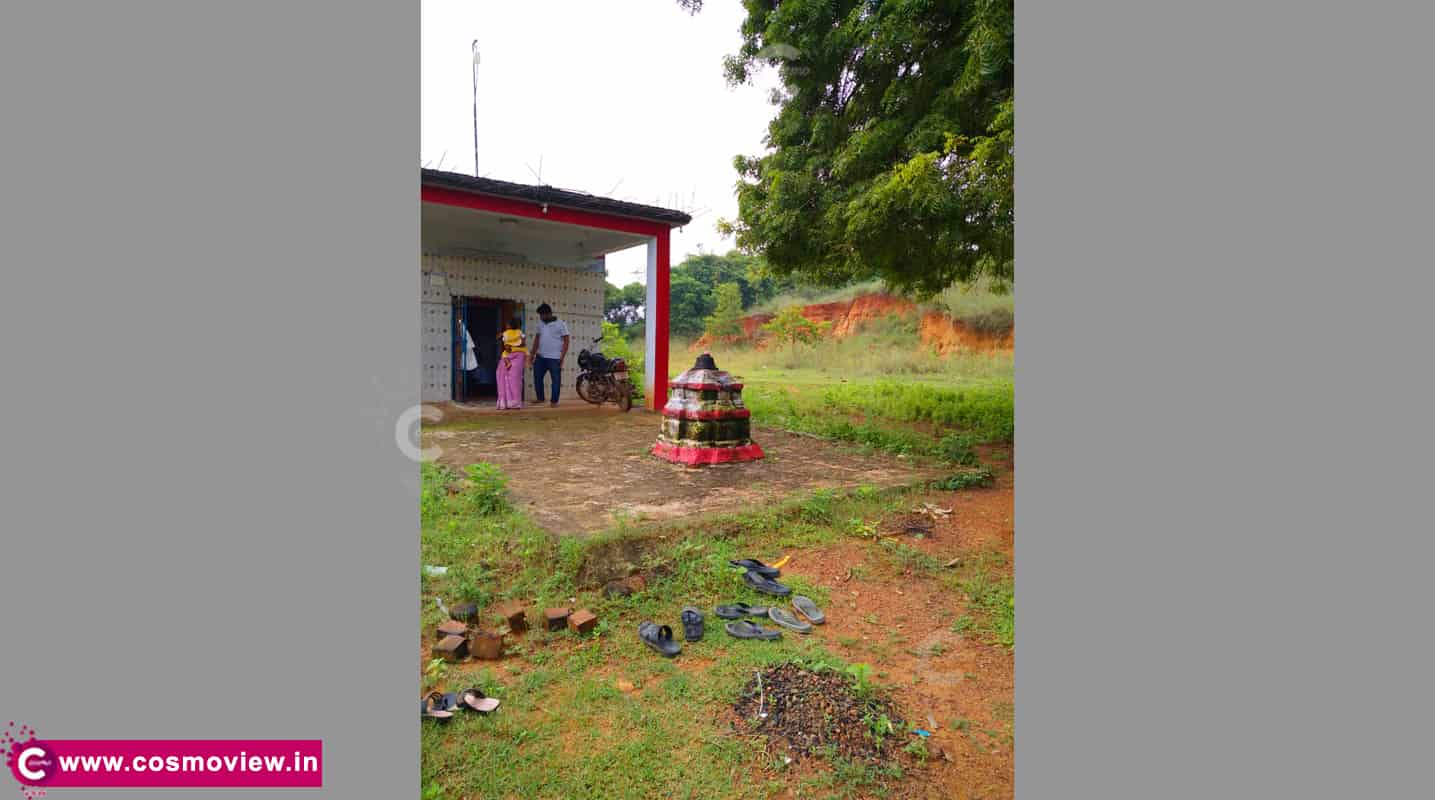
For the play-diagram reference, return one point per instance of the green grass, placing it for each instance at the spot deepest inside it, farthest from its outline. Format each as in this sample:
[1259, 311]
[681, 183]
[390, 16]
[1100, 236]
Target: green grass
[565, 729]
[967, 479]
[984, 410]
[561, 705]
[984, 306]
[491, 551]
[910, 559]
[992, 596]
[815, 295]
[896, 353]
[885, 414]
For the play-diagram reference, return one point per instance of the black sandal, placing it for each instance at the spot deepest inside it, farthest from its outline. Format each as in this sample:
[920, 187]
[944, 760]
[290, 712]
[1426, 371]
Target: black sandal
[437, 706]
[692, 624]
[660, 638]
[756, 566]
[475, 700]
[809, 609]
[740, 610]
[786, 619]
[765, 585]
[750, 630]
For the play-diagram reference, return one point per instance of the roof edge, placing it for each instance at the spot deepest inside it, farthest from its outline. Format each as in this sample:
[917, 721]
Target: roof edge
[551, 195]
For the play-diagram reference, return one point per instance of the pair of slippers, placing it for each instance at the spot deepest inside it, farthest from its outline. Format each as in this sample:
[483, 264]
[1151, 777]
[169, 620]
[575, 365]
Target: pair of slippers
[441, 706]
[660, 637]
[781, 616]
[760, 577]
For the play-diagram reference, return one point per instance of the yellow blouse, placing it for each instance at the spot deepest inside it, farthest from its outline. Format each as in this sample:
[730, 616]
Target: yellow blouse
[512, 341]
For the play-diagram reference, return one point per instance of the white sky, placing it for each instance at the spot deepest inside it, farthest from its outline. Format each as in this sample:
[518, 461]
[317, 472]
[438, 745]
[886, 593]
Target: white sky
[620, 98]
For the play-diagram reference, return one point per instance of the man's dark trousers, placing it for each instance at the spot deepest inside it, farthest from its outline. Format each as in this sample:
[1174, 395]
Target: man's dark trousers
[546, 366]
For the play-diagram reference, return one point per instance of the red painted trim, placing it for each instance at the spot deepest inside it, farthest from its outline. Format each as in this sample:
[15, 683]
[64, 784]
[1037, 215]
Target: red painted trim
[694, 456]
[657, 323]
[705, 387]
[736, 413]
[532, 210]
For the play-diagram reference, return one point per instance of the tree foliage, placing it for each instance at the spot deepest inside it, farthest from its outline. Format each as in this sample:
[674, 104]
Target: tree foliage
[790, 328]
[724, 321]
[693, 291]
[615, 344]
[624, 307]
[689, 302]
[891, 152]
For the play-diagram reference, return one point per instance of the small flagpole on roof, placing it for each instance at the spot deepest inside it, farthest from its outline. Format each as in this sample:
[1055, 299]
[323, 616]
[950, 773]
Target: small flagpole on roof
[475, 108]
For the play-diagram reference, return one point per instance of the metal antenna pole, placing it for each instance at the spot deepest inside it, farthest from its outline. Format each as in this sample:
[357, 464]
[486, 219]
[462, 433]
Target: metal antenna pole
[475, 108]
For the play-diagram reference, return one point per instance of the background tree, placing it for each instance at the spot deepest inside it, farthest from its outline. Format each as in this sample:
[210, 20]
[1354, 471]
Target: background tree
[754, 281]
[790, 328]
[723, 322]
[624, 307]
[689, 303]
[891, 152]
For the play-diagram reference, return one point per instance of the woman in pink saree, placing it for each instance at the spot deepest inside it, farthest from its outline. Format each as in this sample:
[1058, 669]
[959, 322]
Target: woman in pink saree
[510, 367]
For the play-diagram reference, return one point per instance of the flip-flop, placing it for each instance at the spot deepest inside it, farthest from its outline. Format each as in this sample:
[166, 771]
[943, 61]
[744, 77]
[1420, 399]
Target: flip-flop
[740, 610]
[756, 566]
[475, 700]
[437, 706]
[809, 609]
[750, 630]
[692, 624]
[765, 585]
[783, 617]
[660, 638]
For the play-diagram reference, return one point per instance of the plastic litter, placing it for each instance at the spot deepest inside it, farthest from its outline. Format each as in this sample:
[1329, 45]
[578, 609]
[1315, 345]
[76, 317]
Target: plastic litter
[432, 570]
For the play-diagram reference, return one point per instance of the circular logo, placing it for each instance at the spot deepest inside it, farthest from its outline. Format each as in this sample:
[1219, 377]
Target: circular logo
[33, 763]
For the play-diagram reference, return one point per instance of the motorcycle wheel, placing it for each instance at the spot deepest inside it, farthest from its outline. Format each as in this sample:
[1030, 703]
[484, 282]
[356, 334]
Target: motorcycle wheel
[586, 390]
[625, 397]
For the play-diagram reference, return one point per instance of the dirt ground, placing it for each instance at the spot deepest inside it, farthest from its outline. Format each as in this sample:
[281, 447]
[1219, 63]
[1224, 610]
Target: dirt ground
[578, 472]
[899, 620]
[901, 623]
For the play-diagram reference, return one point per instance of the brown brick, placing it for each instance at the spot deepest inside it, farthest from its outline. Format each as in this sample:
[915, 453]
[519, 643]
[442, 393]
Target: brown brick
[487, 645]
[452, 648]
[557, 618]
[582, 621]
[515, 613]
[452, 627]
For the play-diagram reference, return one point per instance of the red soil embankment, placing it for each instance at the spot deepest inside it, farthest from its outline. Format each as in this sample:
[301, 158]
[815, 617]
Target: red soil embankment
[945, 335]
[937, 330]
[870, 308]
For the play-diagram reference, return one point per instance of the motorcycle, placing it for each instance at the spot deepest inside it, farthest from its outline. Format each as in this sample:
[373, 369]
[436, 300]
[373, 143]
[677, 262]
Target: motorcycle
[601, 379]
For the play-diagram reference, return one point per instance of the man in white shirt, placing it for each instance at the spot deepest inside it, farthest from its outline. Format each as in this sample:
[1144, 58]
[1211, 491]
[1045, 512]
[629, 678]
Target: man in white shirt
[550, 347]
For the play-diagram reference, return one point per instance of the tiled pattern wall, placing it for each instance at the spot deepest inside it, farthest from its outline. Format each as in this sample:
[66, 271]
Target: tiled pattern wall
[576, 297]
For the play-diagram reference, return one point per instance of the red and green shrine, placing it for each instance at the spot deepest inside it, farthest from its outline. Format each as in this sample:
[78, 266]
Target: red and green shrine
[704, 421]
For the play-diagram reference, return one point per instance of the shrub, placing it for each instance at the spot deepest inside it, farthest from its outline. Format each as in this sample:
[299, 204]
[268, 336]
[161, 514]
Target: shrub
[615, 345]
[487, 489]
[723, 322]
[790, 328]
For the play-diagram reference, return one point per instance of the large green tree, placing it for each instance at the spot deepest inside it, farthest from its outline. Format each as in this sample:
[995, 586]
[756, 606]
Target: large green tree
[891, 152]
[689, 303]
[748, 272]
[624, 307]
[694, 291]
